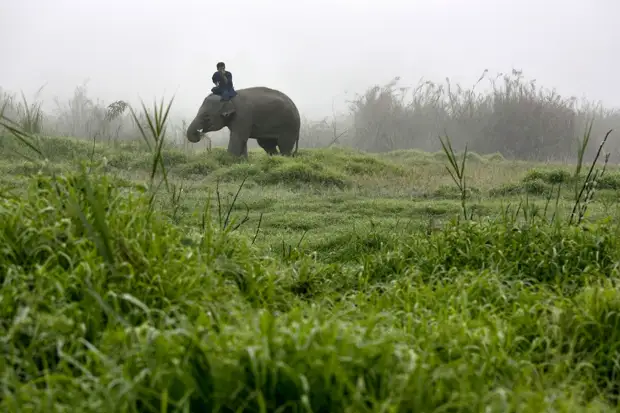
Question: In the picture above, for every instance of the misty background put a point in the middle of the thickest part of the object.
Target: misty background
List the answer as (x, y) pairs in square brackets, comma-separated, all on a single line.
[(516, 77)]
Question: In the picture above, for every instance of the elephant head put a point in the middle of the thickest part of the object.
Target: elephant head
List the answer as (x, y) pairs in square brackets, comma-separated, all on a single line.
[(213, 115)]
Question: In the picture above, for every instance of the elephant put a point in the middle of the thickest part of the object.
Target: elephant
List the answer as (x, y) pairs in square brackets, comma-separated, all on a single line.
[(260, 113)]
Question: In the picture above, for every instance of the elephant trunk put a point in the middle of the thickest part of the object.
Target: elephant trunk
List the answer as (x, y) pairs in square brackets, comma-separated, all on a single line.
[(193, 135)]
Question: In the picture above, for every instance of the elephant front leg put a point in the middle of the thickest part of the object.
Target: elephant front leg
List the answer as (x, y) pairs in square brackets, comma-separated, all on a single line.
[(238, 144)]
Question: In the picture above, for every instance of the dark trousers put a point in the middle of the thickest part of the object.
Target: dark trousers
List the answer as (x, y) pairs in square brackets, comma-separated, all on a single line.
[(226, 94)]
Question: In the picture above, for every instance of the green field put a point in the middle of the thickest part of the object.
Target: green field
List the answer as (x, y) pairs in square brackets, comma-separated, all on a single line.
[(337, 281)]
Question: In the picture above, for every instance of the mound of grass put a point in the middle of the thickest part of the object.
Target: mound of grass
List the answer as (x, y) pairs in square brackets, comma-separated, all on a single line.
[(452, 192), (355, 245), (531, 186), (542, 182), (55, 149), (611, 180), (495, 157), (352, 162), (366, 165), (200, 168), (409, 156), (28, 168), (413, 156), (240, 171), (292, 172), (297, 174), (555, 176), (471, 156)]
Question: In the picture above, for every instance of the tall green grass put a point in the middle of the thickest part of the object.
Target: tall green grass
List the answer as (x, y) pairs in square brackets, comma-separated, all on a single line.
[(108, 305)]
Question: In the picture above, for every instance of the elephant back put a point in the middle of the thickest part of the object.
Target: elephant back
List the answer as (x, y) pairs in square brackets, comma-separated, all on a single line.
[(273, 112)]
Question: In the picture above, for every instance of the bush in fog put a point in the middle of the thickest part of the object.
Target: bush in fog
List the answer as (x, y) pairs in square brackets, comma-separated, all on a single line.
[(514, 117), (79, 116)]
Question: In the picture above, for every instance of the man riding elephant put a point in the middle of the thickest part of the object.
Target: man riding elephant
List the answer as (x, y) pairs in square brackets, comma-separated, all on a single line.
[(223, 82), (261, 113)]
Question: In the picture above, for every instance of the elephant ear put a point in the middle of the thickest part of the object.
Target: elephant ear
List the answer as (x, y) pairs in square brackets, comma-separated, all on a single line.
[(228, 108)]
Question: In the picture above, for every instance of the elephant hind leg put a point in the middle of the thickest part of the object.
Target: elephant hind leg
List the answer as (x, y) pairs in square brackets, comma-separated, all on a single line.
[(287, 145), (269, 145)]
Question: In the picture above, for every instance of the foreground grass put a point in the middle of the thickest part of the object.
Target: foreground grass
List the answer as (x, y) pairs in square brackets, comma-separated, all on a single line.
[(114, 301)]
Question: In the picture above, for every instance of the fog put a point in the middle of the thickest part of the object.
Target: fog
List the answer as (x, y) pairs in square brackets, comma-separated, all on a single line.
[(319, 52)]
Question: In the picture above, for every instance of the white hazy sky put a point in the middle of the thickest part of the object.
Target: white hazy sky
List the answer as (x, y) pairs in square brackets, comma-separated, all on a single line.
[(314, 50)]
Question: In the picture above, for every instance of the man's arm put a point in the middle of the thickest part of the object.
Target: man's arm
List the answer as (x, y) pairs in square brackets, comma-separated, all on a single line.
[(222, 77)]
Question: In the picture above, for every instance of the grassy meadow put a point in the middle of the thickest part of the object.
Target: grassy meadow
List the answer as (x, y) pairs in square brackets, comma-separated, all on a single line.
[(139, 279)]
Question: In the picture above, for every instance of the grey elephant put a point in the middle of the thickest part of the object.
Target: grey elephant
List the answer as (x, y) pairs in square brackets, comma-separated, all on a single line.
[(260, 113)]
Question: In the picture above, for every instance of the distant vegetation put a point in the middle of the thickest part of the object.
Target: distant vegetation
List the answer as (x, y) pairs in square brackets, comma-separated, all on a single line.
[(505, 114)]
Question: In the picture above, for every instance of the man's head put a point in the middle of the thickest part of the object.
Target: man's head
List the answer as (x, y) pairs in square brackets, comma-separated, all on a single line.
[(221, 66)]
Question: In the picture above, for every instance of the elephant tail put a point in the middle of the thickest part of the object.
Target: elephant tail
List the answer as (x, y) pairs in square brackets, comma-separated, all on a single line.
[(296, 146)]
